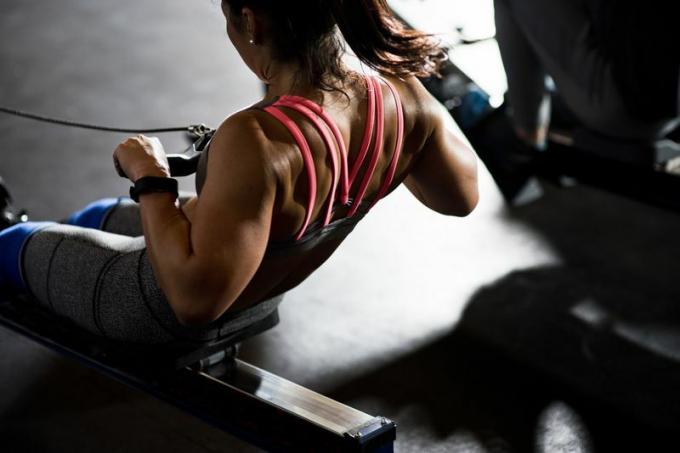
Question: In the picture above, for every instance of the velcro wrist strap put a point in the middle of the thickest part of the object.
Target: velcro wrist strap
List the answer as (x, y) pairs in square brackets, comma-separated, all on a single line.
[(153, 184)]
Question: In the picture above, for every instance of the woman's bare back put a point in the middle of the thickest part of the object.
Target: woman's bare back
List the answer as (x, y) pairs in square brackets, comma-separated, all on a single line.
[(280, 272)]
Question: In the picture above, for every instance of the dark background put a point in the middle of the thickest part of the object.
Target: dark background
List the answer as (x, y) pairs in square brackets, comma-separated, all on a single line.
[(458, 329)]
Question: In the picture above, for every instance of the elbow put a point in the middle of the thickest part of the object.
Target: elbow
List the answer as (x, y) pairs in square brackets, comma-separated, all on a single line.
[(199, 308), (464, 195), (456, 206), (460, 209), (195, 318), (469, 195), (462, 202), (197, 291), (467, 205)]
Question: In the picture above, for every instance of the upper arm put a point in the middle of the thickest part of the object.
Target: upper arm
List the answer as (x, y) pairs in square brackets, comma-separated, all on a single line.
[(232, 217), (445, 176)]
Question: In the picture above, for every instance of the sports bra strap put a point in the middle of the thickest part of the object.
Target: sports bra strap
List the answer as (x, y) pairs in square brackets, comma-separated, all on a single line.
[(293, 103), (373, 134), (307, 159), (368, 131), (340, 141), (389, 177), (377, 146)]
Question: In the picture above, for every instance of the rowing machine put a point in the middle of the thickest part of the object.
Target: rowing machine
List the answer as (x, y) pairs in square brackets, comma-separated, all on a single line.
[(212, 384)]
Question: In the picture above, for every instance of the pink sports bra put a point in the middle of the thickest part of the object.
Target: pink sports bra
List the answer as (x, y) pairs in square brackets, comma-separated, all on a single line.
[(343, 174)]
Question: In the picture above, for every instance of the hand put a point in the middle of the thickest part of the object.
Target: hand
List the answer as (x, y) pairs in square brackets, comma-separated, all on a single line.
[(141, 156)]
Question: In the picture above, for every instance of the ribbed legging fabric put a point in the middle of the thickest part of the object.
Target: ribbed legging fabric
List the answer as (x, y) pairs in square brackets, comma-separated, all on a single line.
[(102, 280)]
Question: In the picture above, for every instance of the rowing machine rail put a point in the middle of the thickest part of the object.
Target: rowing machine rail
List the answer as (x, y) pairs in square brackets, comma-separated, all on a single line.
[(241, 399)]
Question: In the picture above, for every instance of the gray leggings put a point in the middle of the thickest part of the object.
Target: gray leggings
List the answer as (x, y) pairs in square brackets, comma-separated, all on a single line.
[(103, 282), (551, 37)]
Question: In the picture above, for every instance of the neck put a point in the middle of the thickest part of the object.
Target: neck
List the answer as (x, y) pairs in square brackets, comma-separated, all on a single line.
[(283, 78)]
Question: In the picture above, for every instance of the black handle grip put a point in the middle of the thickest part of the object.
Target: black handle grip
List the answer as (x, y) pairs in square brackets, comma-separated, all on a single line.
[(183, 164), (186, 164)]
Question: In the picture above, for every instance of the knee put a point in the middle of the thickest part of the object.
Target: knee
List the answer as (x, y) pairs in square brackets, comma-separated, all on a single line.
[(95, 214), (12, 243)]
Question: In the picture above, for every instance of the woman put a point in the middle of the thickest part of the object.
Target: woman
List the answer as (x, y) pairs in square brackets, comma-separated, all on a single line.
[(282, 185)]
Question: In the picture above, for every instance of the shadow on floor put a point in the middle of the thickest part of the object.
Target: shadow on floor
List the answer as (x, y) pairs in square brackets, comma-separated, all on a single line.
[(600, 331), (55, 384)]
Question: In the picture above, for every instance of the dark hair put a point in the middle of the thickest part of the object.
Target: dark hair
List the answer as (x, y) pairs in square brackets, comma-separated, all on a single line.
[(305, 31)]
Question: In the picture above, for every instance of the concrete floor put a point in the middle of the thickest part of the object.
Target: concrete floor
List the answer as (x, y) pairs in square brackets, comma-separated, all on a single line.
[(420, 318)]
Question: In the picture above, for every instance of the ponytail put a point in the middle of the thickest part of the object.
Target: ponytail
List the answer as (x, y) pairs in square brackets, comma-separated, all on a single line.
[(383, 43)]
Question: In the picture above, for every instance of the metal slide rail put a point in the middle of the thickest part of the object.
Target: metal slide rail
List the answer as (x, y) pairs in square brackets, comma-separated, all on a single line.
[(241, 399)]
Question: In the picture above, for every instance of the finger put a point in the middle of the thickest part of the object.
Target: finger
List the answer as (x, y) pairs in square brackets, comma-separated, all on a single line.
[(154, 141), (119, 169)]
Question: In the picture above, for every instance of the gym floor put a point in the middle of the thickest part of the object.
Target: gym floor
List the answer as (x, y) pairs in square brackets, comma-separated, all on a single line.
[(482, 334)]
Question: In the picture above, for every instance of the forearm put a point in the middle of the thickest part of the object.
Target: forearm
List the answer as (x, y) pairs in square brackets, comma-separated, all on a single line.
[(452, 201), (445, 177), (413, 187)]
